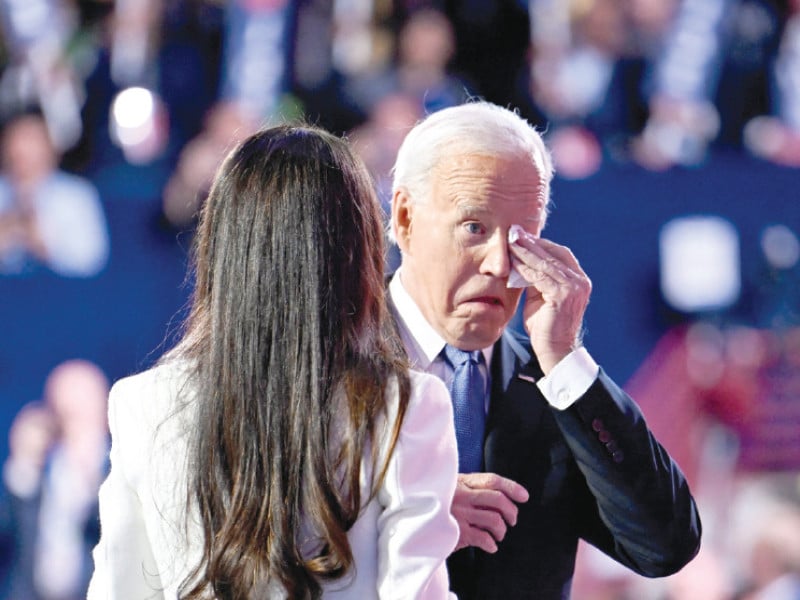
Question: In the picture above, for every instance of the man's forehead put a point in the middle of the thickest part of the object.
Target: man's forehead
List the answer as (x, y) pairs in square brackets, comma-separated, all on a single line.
[(516, 175), (474, 179)]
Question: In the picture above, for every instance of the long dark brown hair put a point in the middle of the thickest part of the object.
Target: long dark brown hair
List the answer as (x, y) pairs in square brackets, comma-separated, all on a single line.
[(293, 347)]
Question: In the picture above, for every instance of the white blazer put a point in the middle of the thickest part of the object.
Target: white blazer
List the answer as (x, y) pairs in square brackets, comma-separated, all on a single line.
[(399, 542)]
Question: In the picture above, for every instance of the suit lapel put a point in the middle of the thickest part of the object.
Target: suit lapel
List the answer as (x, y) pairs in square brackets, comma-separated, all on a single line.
[(512, 359), (516, 405)]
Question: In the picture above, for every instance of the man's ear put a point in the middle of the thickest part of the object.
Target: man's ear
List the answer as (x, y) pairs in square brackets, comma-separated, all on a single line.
[(402, 209)]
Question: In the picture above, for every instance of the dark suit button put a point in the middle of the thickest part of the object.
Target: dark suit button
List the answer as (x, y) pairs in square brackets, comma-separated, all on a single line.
[(611, 446), (604, 436), (597, 425), (618, 456)]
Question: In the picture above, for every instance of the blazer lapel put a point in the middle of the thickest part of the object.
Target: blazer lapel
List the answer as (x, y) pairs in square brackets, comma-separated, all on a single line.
[(513, 359), (516, 404)]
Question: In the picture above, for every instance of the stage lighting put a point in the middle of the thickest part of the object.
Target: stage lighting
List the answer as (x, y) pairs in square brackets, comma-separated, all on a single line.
[(700, 263)]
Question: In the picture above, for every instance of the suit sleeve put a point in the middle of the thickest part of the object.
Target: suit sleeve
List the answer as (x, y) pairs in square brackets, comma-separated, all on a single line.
[(124, 566), (416, 531), (639, 510)]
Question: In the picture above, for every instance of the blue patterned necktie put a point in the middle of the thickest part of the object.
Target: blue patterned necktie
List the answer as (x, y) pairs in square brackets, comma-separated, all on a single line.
[(468, 390)]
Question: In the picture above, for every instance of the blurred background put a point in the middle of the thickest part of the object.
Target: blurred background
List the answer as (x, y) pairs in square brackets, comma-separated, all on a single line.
[(675, 128)]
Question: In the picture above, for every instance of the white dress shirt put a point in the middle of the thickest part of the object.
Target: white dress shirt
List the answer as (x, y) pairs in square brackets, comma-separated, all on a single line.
[(566, 382)]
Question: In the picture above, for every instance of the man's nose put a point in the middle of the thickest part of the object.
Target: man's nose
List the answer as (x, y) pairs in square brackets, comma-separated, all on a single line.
[(497, 261)]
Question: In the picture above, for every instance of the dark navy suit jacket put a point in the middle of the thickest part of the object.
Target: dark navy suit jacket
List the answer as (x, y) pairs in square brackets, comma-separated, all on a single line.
[(593, 471)]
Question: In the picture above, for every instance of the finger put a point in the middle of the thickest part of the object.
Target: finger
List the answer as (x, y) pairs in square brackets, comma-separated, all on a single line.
[(491, 492), (534, 277), (473, 536), (556, 263), (496, 502), (493, 481), (484, 506), (546, 272), (539, 262), (546, 249), (491, 521), (533, 294), (483, 528), (526, 239), (543, 275), (562, 253)]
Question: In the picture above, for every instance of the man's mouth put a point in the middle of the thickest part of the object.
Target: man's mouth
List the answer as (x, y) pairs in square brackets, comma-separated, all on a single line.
[(491, 300)]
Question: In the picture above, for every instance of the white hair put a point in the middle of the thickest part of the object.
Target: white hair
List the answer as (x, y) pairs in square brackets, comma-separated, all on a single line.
[(474, 128)]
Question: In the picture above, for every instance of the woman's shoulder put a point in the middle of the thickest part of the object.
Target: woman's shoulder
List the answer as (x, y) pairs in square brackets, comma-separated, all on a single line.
[(152, 394), (428, 403), (427, 388), (163, 376), (149, 424)]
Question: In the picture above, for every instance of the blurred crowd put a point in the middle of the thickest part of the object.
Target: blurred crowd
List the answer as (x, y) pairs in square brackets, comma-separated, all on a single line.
[(105, 102), (57, 460)]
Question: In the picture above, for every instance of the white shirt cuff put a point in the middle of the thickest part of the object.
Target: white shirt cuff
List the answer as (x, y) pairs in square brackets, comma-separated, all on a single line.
[(569, 379)]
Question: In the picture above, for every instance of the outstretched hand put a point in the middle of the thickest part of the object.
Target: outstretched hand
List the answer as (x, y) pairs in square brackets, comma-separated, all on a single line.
[(485, 507)]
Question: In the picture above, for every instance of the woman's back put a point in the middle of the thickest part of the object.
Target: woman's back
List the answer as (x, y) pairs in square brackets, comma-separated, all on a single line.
[(148, 414), (274, 446)]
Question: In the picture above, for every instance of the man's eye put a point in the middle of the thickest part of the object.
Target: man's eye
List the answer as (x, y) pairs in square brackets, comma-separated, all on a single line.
[(473, 227)]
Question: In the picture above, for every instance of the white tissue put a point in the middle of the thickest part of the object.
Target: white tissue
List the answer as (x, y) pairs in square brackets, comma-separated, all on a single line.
[(515, 279)]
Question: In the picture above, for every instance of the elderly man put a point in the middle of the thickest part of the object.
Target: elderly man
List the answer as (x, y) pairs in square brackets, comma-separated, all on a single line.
[(550, 449)]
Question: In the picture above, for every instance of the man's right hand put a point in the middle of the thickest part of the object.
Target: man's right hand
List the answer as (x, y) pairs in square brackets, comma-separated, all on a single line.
[(485, 506)]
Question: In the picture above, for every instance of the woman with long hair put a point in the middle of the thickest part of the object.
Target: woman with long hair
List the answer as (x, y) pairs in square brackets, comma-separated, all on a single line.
[(283, 449)]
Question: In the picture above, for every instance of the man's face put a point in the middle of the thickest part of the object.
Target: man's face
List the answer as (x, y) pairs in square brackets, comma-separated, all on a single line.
[(27, 152), (455, 244)]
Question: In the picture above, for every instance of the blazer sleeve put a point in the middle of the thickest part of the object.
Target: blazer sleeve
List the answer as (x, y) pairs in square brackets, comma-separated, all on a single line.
[(124, 567), (640, 510), (416, 532)]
